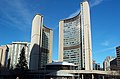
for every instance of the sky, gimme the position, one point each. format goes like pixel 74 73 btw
pixel 16 21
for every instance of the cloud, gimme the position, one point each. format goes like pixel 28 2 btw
pixel 74 14
pixel 15 14
pixel 106 49
pixel 105 43
pixel 112 48
pixel 92 4
pixel 95 2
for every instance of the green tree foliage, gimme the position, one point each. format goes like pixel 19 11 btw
pixel 22 62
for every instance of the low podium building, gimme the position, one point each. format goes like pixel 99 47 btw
pixel 65 70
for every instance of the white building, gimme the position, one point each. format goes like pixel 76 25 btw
pixel 10 53
pixel 41 44
pixel 14 54
pixel 3 55
pixel 106 63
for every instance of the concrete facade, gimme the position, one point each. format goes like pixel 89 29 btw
pixel 75 39
pixel 41 44
pixel 62 70
pixel 14 54
pixel 36 39
pixel 3 56
pixel 10 53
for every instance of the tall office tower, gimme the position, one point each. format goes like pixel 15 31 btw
pixel 106 63
pixel 75 39
pixel 14 54
pixel 118 56
pixel 41 44
pixel 47 39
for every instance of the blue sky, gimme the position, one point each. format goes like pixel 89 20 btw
pixel 16 18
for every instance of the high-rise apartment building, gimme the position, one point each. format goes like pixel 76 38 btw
pixel 14 54
pixel 106 63
pixel 75 39
pixel 118 56
pixel 47 39
pixel 41 44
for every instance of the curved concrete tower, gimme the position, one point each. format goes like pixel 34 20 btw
pixel 36 39
pixel 41 44
pixel 86 35
pixel 75 39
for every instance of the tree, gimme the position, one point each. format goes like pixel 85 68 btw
pixel 21 67
pixel 22 62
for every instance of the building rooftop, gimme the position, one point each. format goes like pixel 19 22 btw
pixel 61 63
pixel 19 42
